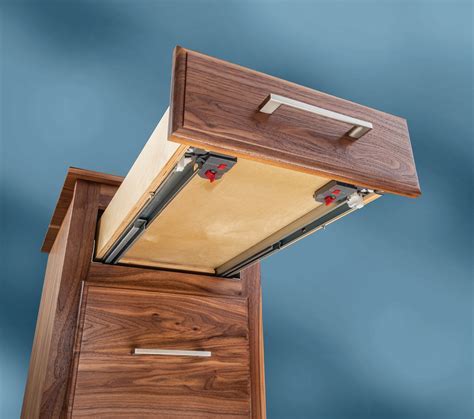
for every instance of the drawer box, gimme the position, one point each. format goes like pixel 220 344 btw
pixel 244 164
pixel 112 381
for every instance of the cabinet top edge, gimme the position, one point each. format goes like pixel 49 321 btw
pixel 73 174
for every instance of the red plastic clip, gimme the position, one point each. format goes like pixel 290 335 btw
pixel 329 199
pixel 211 175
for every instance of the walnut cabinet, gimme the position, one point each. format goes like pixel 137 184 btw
pixel 151 305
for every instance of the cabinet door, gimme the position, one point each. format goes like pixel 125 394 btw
pixel 151 354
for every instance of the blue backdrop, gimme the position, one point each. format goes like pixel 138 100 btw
pixel 371 318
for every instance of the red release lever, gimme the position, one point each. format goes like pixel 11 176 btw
pixel 210 175
pixel 329 199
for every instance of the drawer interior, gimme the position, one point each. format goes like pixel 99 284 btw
pixel 214 227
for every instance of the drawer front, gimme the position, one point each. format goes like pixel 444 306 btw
pixel 112 381
pixel 215 105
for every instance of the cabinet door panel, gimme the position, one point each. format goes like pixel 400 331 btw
pixel 111 381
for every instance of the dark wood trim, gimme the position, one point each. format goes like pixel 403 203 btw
pixel 68 265
pixel 77 349
pixel 45 323
pixel 178 89
pixel 109 184
pixel 252 284
pixel 107 192
pixel 163 281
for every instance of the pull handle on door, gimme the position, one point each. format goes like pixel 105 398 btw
pixel 169 352
pixel 272 102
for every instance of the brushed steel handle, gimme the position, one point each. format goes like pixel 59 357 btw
pixel 169 352
pixel 272 102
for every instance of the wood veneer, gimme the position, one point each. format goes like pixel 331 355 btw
pixel 112 381
pixel 215 106
pixel 163 281
pixel 68 264
pixel 251 278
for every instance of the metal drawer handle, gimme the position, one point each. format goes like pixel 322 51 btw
pixel 169 352
pixel 272 102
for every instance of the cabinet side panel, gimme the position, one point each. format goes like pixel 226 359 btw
pixel 45 322
pixel 52 355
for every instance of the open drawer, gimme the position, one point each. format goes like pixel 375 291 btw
pixel 243 164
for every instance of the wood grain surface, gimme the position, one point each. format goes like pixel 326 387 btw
pixel 109 184
pixel 46 393
pixel 251 278
pixel 215 107
pixel 45 323
pixel 178 90
pixel 113 382
pixel 163 281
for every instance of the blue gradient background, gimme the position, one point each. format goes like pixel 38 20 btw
pixel 371 318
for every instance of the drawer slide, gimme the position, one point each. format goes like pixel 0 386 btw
pixel 211 166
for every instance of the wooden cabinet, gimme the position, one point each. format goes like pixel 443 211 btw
pixel 151 305
pixel 96 320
